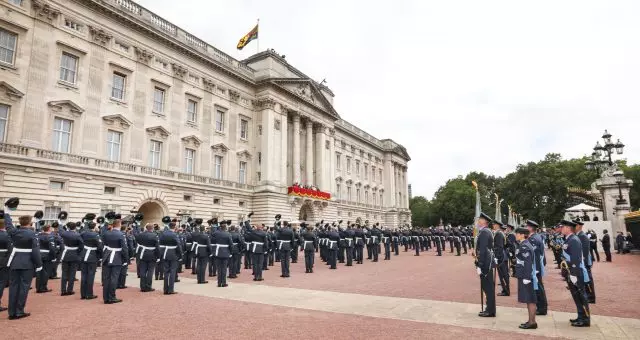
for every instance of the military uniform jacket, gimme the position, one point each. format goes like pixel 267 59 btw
pixel 309 241
pixel 47 247
pixel 572 253
pixel 511 243
pixel 169 244
pixel 525 261
pixel 188 239
pixel 484 250
pixel 93 247
pixel 148 246
pixel 376 235
pixel 201 245
pixel 25 253
pixel 5 248
pixel 334 238
pixel 285 239
pixel 71 247
pixel 499 242
pixel 349 238
pixel 116 251
pixel 386 236
pixel 538 247
pixel 259 242
pixel 221 242
pixel 359 237
pixel 238 243
pixel 586 248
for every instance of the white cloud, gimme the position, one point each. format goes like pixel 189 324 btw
pixel 463 84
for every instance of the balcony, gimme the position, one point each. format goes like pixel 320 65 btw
pixel 33 154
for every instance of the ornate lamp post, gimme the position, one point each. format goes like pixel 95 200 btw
pixel 601 159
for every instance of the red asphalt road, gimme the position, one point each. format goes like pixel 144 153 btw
pixel 453 278
pixel 155 316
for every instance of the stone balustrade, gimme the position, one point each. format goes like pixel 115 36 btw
pixel 20 151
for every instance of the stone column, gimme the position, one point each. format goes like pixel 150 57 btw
pixel 405 187
pixel 389 182
pixel 320 158
pixel 296 148
pixel 309 163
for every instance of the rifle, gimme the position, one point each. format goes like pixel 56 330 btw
pixel 573 288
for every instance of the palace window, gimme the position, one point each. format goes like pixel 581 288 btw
pixel 16 2
pixel 357 168
pixel 349 193
pixel 244 129
pixel 4 122
pixel 62 135
pixel 110 190
pixel 8 42
pixel 366 171
pixel 348 165
pixel 219 121
pixel 366 197
pixel 51 214
pixel 242 173
pixel 189 160
pixel 192 111
pixel 114 144
pixel 158 100
pixel 119 86
pixel 217 168
pixel 381 201
pixel 338 161
pixel 373 173
pixel 338 189
pixel 56 185
pixel 68 68
pixel 155 154
pixel 357 195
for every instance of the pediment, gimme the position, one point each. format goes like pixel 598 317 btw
pixel 220 147
pixel 192 140
pixel 244 153
pixel 11 92
pixel 66 107
pixel 307 90
pixel 117 119
pixel 158 132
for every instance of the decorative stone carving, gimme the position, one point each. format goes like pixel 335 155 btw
pixel 179 70
pixel 117 119
pixel 265 103
pixel 99 35
pixel 243 154
pixel 327 144
pixel 276 124
pixel 192 140
pixel 11 92
pixel 220 148
pixel 209 85
pixel 60 105
pixel 44 11
pixel 158 132
pixel 234 95
pixel 304 91
pixel 332 132
pixel 144 56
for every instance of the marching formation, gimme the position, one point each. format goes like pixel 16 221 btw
pixel 523 251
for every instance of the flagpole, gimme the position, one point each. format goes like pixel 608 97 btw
pixel 258 39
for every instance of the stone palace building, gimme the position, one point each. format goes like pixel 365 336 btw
pixel 106 106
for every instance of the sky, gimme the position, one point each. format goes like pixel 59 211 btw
pixel 464 85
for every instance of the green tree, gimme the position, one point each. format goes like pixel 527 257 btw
pixel 633 173
pixel 421 214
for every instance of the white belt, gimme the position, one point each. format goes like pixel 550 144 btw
pixel 416 237
pixel 305 243
pixel 4 250
pixel 164 256
pixel 41 250
pixel 143 249
pixel 384 239
pixel 220 245
pixel 374 237
pixel 88 250
pixel 395 238
pixel 113 253
pixel 358 238
pixel 65 251
pixel 331 243
pixel 254 243
pixel 349 240
pixel 17 250
pixel 280 243
pixel 248 246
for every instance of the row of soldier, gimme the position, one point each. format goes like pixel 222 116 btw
pixel 523 249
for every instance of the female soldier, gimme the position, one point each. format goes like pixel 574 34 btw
pixel 525 272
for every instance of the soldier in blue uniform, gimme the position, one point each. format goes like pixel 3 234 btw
pixel 91 254
pixel 23 258
pixel 284 239
pixel 115 255
pixel 525 272
pixel 500 256
pixel 484 264
pixel 70 258
pixel 574 271
pixel 5 251
pixel 222 243
pixel 308 240
pixel 587 259
pixel 236 252
pixel 147 257
pixel 122 279
pixel 202 252
pixel 170 252
pixel 332 247
pixel 359 244
pixel 538 246
pixel 55 232
pixel 258 239
pixel 387 240
pixel 47 253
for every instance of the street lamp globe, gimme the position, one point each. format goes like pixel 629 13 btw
pixel 619 147
pixel 598 149
pixel 589 165
pixel 607 137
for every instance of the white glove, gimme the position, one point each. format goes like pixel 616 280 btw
pixel 495 260
pixel 479 270
pixel 573 278
pixel 525 281
pixel 38 269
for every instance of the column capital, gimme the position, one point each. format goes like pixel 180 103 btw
pixel 295 116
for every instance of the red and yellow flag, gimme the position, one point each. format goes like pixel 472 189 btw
pixel 252 35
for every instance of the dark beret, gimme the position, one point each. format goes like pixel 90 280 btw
pixel 503 227
pixel 485 217
pixel 55 225
pixel 71 225
pixel 110 215
pixel 523 231
pixel 530 223
pixel 39 214
pixel 568 223
pixel 63 215
pixel 578 222
pixel 198 221
pixel 189 219
pixel 118 217
pixel 89 217
pixel 209 221
pixel 229 222
pixel 498 223
pixel 12 202
pixel 508 226
pixel 166 220
pixel 100 219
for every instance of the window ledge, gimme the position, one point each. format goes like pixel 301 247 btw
pixel 221 133
pixel 158 114
pixel 192 124
pixel 4 66
pixel 67 85
pixel 118 101
pixel 244 140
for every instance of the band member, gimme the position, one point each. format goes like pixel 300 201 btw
pixel 575 273
pixel 500 253
pixel 484 264
pixel 47 254
pixel 309 242
pixel 222 242
pixel 70 258
pixel 171 254
pixel 116 254
pixel 148 255
pixel 91 255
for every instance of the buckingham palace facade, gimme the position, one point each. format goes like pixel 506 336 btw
pixel 106 106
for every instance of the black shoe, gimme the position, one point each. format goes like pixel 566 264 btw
pixel 592 301
pixel 503 294
pixel 581 323
pixel 573 320
pixel 487 315
pixel 527 325
pixel 538 312
pixel 54 278
pixel 224 285
pixel 43 291
pixel 233 277
pixel 203 282
pixel 19 316
pixel 91 297
pixel 177 280
pixel 254 279
pixel 2 309
pixel 260 279
pixel 116 301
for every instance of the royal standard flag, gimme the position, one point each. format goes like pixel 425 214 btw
pixel 253 34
